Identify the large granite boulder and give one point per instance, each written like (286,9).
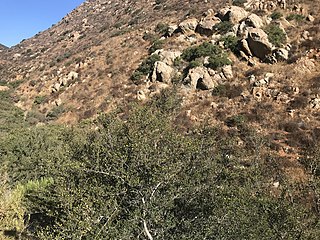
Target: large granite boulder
(233,14)
(162,72)
(258,43)
(188,25)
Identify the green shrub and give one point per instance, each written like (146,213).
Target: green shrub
(125,176)
(276,35)
(194,64)
(40,99)
(157,44)
(276,15)
(219,60)
(55,112)
(145,68)
(203,50)
(162,28)
(217,57)
(295,17)
(230,42)
(223,27)
(236,120)
(239,3)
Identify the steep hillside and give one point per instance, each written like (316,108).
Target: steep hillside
(100,40)
(87,64)
(211,131)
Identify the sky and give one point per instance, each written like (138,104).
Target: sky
(22,19)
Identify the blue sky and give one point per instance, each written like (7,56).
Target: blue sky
(22,19)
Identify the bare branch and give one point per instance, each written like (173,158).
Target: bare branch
(146,230)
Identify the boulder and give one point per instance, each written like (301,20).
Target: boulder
(73,75)
(4,88)
(227,72)
(188,25)
(199,78)
(254,21)
(55,87)
(206,25)
(258,43)
(244,46)
(167,56)
(310,18)
(172,29)
(162,72)
(141,96)
(233,14)
(281,54)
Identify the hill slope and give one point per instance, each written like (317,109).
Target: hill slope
(224,140)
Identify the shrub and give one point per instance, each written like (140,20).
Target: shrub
(55,112)
(162,28)
(276,35)
(40,99)
(194,64)
(219,60)
(127,176)
(217,57)
(157,44)
(227,90)
(236,120)
(223,27)
(296,17)
(145,67)
(230,42)
(276,15)
(202,50)
(239,3)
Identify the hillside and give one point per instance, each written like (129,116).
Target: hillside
(3,47)
(167,119)
(84,65)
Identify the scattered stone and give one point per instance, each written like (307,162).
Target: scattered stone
(310,18)
(172,28)
(55,87)
(58,102)
(244,46)
(141,96)
(73,75)
(315,103)
(257,92)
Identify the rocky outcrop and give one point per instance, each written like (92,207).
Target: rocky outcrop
(258,43)
(162,72)
(207,24)
(188,25)
(232,14)
(199,78)
(167,56)
(254,21)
